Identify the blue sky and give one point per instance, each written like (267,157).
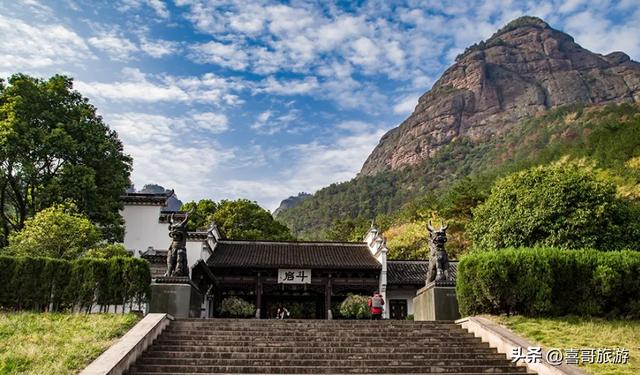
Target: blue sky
(262,100)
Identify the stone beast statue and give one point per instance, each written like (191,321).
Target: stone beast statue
(438,259)
(177,254)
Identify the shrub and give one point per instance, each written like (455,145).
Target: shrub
(28,283)
(565,205)
(108,250)
(59,231)
(355,307)
(235,307)
(550,282)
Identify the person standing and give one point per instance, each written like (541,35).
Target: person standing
(376,304)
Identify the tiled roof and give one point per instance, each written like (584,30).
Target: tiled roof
(318,255)
(151,199)
(155,256)
(197,236)
(412,272)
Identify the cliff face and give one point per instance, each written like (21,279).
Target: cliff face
(291,202)
(525,68)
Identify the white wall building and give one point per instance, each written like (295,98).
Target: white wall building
(147,236)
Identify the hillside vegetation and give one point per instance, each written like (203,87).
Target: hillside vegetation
(460,176)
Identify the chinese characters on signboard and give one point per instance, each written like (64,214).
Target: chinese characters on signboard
(294,276)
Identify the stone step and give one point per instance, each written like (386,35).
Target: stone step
(321,343)
(307,333)
(169,369)
(310,321)
(315,356)
(379,363)
(251,346)
(371,328)
(379,373)
(471,350)
(301,324)
(281,336)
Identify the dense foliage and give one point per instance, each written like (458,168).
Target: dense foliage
(43,284)
(355,307)
(201,213)
(54,147)
(461,174)
(565,205)
(109,250)
(240,219)
(235,307)
(57,232)
(550,282)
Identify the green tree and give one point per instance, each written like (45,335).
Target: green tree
(54,147)
(108,250)
(201,213)
(350,230)
(57,232)
(565,204)
(244,219)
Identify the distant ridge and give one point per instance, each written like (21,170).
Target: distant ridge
(291,202)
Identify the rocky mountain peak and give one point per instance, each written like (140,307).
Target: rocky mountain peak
(525,68)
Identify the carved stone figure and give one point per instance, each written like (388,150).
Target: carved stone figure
(177,254)
(438,259)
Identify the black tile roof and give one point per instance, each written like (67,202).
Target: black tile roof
(155,257)
(153,199)
(317,255)
(412,272)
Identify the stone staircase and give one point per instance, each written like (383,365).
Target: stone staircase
(228,346)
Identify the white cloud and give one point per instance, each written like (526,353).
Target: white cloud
(137,128)
(601,35)
(311,166)
(173,151)
(212,122)
(365,52)
(158,48)
(158,6)
(30,45)
(288,87)
(406,104)
(143,88)
(270,122)
(116,46)
(225,55)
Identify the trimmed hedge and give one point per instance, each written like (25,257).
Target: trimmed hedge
(550,282)
(45,284)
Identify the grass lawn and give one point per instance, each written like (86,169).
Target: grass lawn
(54,343)
(575,332)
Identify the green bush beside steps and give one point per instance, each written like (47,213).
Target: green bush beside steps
(47,284)
(550,282)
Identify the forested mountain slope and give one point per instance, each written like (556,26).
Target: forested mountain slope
(527,95)
(607,135)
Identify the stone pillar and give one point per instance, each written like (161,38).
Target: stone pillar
(177,296)
(436,301)
(327,297)
(258,295)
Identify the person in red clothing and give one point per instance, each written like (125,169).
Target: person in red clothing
(375,305)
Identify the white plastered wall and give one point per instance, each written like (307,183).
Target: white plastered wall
(378,247)
(142,229)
